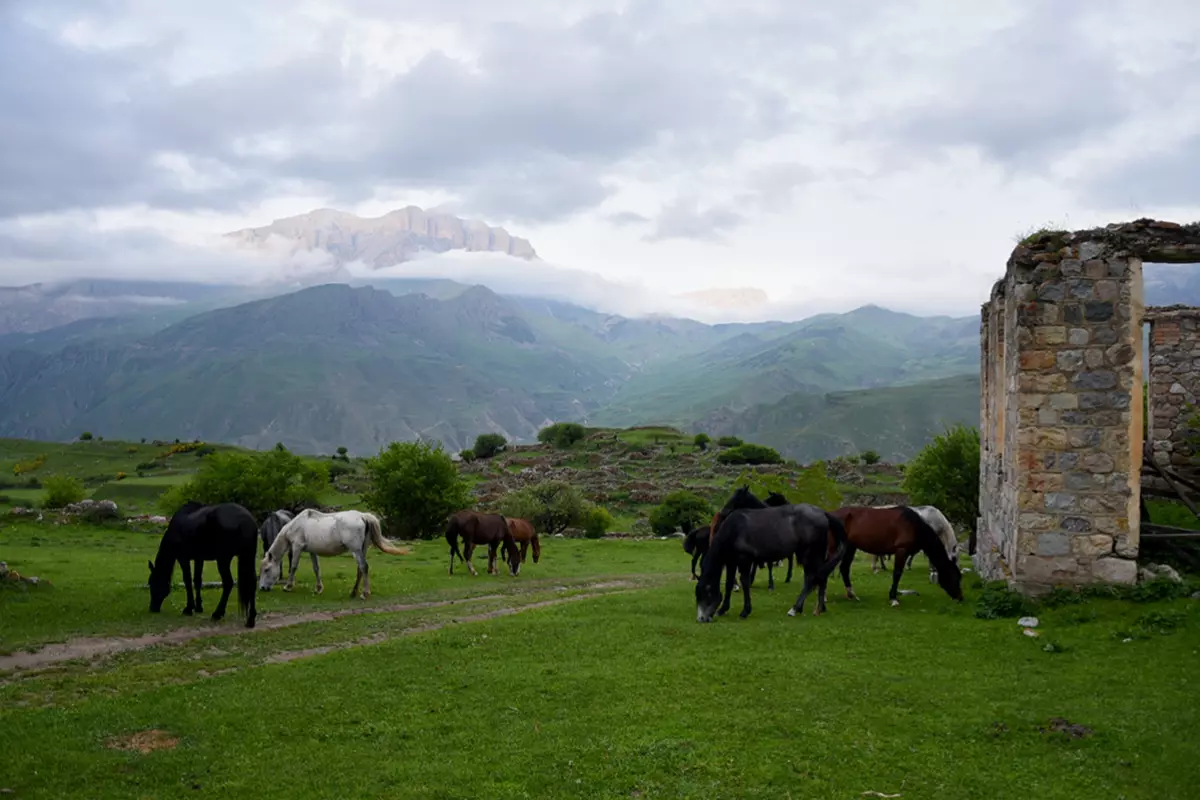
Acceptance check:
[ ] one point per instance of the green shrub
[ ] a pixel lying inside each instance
(86, 436)
(338, 469)
(997, 601)
(415, 486)
(750, 454)
(489, 444)
(679, 510)
(946, 474)
(702, 441)
(596, 522)
(467, 455)
(62, 490)
(562, 434)
(260, 482)
(870, 457)
(551, 506)
(729, 441)
(342, 453)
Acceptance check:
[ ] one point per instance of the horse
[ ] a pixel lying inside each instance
(945, 531)
(317, 533)
(200, 533)
(754, 536)
(271, 527)
(744, 498)
(477, 528)
(899, 531)
(523, 533)
(695, 544)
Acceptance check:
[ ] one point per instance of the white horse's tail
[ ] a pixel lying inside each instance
(375, 532)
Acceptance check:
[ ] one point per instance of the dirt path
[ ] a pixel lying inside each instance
(96, 648)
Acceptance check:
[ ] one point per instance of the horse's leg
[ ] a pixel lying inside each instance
(294, 564)
(845, 568)
(729, 570)
(187, 585)
(695, 558)
(452, 555)
(809, 571)
(770, 577)
(524, 550)
(746, 593)
(320, 587)
(226, 587)
(897, 571)
(789, 577)
(492, 547)
(198, 580)
(468, 550)
(364, 570)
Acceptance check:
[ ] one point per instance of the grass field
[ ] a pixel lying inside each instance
(587, 676)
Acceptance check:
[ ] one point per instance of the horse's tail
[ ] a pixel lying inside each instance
(452, 539)
(841, 545)
(247, 581)
(375, 533)
(928, 539)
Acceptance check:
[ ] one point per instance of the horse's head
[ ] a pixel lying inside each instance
(742, 498)
(708, 598)
(777, 499)
(951, 580)
(512, 554)
(160, 587)
(269, 572)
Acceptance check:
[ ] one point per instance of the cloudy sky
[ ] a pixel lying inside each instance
(830, 153)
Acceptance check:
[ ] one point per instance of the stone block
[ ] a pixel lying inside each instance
(1104, 335)
(1115, 570)
(1090, 250)
(1107, 290)
(1079, 481)
(1037, 359)
(1113, 526)
(1051, 292)
(1064, 401)
(1051, 439)
(1098, 311)
(1124, 546)
(1075, 524)
(1053, 382)
(1099, 463)
(1033, 401)
(1096, 378)
(1049, 335)
(1031, 521)
(1047, 569)
(1093, 546)
(1119, 354)
(1069, 360)
(1047, 416)
(1061, 501)
(1095, 268)
(1078, 337)
(1084, 437)
(1093, 358)
(1053, 544)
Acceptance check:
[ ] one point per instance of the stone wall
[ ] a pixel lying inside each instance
(1061, 416)
(1174, 385)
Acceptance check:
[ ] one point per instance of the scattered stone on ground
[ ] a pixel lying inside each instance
(93, 509)
(144, 742)
(1028, 622)
(1150, 572)
(13, 576)
(1060, 725)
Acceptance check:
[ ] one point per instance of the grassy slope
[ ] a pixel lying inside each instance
(618, 696)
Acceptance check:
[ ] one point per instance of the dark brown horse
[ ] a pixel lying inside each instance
(898, 531)
(524, 534)
(477, 528)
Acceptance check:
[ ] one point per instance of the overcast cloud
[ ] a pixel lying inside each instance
(833, 154)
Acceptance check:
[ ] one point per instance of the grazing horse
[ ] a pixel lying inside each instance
(899, 531)
(200, 533)
(755, 536)
(695, 544)
(271, 527)
(941, 526)
(745, 499)
(318, 533)
(477, 528)
(523, 533)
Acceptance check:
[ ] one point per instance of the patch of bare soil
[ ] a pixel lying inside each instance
(95, 648)
(144, 741)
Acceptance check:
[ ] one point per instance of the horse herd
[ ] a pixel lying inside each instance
(744, 535)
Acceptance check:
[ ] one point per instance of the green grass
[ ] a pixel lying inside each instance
(621, 695)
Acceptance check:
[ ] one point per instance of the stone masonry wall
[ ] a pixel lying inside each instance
(1174, 385)
(1061, 415)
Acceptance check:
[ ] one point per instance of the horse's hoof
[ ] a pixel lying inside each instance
(895, 603)
(217, 617)
(818, 612)
(187, 612)
(791, 612)
(744, 614)
(318, 590)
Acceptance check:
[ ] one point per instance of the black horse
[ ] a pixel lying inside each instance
(744, 498)
(695, 544)
(747, 537)
(198, 533)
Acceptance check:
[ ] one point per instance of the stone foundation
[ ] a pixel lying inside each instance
(1174, 385)
(1061, 406)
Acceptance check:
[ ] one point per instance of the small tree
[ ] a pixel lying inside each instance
(552, 506)
(946, 474)
(679, 510)
(870, 457)
(343, 454)
(467, 455)
(415, 487)
(489, 444)
(815, 487)
(596, 522)
(750, 454)
(702, 441)
(86, 436)
(260, 482)
(62, 490)
(562, 434)
(729, 441)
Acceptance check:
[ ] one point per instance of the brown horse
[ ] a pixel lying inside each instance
(898, 531)
(477, 528)
(523, 534)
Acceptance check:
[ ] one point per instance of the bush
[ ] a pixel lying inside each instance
(870, 457)
(562, 434)
(62, 490)
(552, 506)
(702, 441)
(489, 444)
(750, 454)
(946, 474)
(86, 436)
(337, 469)
(415, 486)
(204, 450)
(342, 454)
(679, 510)
(999, 602)
(467, 455)
(596, 522)
(261, 482)
(729, 441)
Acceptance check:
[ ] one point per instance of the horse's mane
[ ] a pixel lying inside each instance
(928, 539)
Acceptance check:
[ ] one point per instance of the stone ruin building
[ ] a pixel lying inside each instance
(1061, 408)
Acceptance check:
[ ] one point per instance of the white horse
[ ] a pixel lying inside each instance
(941, 526)
(317, 533)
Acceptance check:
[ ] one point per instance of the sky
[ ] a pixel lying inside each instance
(829, 154)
